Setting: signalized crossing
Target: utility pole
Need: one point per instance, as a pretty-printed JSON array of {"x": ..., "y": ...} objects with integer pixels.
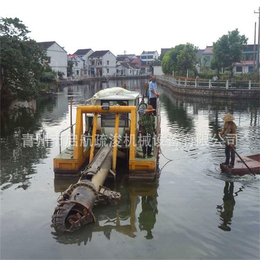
[
  {"x": 254, "y": 58},
  {"x": 258, "y": 46}
]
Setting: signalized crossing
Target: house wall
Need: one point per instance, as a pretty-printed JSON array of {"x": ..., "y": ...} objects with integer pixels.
[
  {"x": 157, "y": 70},
  {"x": 78, "y": 67},
  {"x": 109, "y": 63},
  {"x": 86, "y": 67},
  {"x": 58, "y": 59}
]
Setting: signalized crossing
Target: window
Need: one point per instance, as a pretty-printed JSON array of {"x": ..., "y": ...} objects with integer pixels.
[
  {"x": 108, "y": 120},
  {"x": 250, "y": 69},
  {"x": 238, "y": 69},
  {"x": 107, "y": 70},
  {"x": 107, "y": 62}
]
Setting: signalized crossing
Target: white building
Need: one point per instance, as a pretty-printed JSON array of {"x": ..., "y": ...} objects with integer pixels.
[
  {"x": 147, "y": 58},
  {"x": 84, "y": 54},
  {"x": 126, "y": 69},
  {"x": 157, "y": 70},
  {"x": 57, "y": 57},
  {"x": 78, "y": 66},
  {"x": 102, "y": 64}
]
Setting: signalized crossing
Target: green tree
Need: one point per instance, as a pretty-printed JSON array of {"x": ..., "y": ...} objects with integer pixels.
[
  {"x": 179, "y": 59},
  {"x": 228, "y": 50},
  {"x": 166, "y": 64},
  {"x": 22, "y": 60},
  {"x": 187, "y": 59},
  {"x": 170, "y": 61},
  {"x": 69, "y": 68}
]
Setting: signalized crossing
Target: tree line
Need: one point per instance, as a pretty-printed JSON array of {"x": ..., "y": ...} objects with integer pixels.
[
  {"x": 24, "y": 70},
  {"x": 227, "y": 50}
]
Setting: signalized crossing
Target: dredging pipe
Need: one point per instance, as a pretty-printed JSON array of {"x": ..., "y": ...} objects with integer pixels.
[{"x": 75, "y": 205}]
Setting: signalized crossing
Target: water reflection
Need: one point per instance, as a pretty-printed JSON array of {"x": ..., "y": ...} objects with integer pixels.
[
  {"x": 177, "y": 113},
  {"x": 147, "y": 217},
  {"x": 135, "y": 212},
  {"x": 17, "y": 159},
  {"x": 227, "y": 208}
]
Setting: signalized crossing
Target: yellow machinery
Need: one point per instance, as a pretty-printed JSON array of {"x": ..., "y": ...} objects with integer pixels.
[{"x": 81, "y": 156}]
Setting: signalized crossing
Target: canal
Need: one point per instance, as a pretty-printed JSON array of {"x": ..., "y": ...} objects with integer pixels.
[{"x": 192, "y": 211}]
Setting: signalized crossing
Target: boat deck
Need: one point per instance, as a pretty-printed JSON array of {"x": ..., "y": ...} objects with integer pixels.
[{"x": 252, "y": 161}]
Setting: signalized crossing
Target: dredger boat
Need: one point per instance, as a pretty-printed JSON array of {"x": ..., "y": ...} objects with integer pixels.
[{"x": 105, "y": 130}]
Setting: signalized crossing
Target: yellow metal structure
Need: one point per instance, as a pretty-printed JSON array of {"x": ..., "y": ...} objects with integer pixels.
[
  {"x": 79, "y": 155},
  {"x": 137, "y": 165}
]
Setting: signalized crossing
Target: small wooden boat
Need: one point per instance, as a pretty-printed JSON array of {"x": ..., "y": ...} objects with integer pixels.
[{"x": 252, "y": 161}]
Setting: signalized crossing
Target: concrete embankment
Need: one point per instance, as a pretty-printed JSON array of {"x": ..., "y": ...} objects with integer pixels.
[
  {"x": 86, "y": 80},
  {"x": 241, "y": 93}
]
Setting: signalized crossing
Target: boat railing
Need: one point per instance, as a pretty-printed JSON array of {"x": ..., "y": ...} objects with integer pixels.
[{"x": 69, "y": 127}]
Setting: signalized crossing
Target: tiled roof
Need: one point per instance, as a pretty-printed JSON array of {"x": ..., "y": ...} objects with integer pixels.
[
  {"x": 135, "y": 60},
  {"x": 208, "y": 50},
  {"x": 246, "y": 62},
  {"x": 200, "y": 52},
  {"x": 82, "y": 51},
  {"x": 126, "y": 55},
  {"x": 122, "y": 58},
  {"x": 164, "y": 50},
  {"x": 98, "y": 54},
  {"x": 46, "y": 45},
  {"x": 148, "y": 52}
]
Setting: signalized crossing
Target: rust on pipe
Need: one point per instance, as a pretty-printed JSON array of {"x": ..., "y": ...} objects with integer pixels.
[{"x": 75, "y": 205}]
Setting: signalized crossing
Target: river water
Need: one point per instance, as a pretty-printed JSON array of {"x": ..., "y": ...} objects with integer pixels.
[{"x": 192, "y": 211}]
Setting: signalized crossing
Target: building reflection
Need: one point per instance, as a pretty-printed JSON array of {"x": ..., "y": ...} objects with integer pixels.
[{"x": 135, "y": 212}]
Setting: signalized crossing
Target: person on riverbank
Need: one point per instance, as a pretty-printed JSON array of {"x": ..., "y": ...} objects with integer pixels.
[
  {"x": 153, "y": 95},
  {"x": 147, "y": 128},
  {"x": 229, "y": 133}
]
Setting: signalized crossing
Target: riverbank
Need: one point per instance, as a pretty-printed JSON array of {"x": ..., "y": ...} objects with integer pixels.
[
  {"x": 210, "y": 89},
  {"x": 87, "y": 80}
]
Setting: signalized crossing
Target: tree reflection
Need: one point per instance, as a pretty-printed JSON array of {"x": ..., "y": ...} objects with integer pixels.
[
  {"x": 17, "y": 160},
  {"x": 176, "y": 112}
]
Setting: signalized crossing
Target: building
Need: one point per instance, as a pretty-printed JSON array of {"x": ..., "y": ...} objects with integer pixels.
[
  {"x": 157, "y": 70},
  {"x": 84, "y": 54},
  {"x": 147, "y": 58},
  {"x": 57, "y": 57},
  {"x": 127, "y": 69},
  {"x": 249, "y": 61},
  {"x": 128, "y": 65},
  {"x": 206, "y": 58},
  {"x": 163, "y": 51},
  {"x": 78, "y": 66},
  {"x": 102, "y": 64}
]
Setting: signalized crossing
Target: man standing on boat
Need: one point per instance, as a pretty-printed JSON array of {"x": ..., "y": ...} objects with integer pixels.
[
  {"x": 229, "y": 133},
  {"x": 153, "y": 95},
  {"x": 147, "y": 127}
]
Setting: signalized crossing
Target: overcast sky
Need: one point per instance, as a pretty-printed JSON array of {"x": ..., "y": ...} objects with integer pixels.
[{"x": 133, "y": 26}]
